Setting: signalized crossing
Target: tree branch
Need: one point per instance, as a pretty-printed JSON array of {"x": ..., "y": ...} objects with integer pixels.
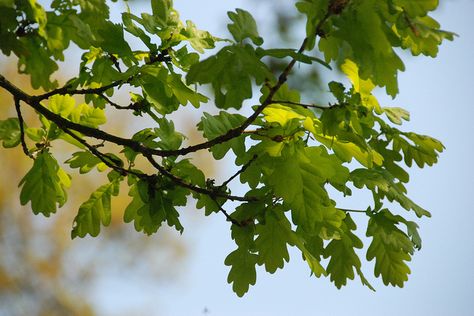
[
  {"x": 34, "y": 102},
  {"x": 213, "y": 194},
  {"x": 244, "y": 167},
  {"x": 237, "y": 131},
  {"x": 115, "y": 105},
  {"x": 229, "y": 218},
  {"x": 67, "y": 90},
  {"x": 104, "y": 158},
  {"x": 22, "y": 129}
]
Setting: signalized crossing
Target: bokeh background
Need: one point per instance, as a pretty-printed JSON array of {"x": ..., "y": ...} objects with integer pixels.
[{"x": 43, "y": 272}]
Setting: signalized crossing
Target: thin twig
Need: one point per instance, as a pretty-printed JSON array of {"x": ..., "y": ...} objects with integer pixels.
[
  {"x": 103, "y": 157},
  {"x": 22, "y": 129},
  {"x": 237, "y": 131},
  {"x": 34, "y": 101},
  {"x": 184, "y": 184},
  {"x": 229, "y": 218},
  {"x": 115, "y": 105},
  {"x": 67, "y": 90},
  {"x": 321, "y": 107},
  {"x": 351, "y": 211},
  {"x": 244, "y": 167}
]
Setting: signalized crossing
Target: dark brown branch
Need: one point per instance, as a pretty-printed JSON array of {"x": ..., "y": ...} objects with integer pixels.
[
  {"x": 213, "y": 194},
  {"x": 34, "y": 102},
  {"x": 115, "y": 105},
  {"x": 103, "y": 157},
  {"x": 22, "y": 129},
  {"x": 237, "y": 131},
  {"x": 67, "y": 90},
  {"x": 64, "y": 123},
  {"x": 229, "y": 218}
]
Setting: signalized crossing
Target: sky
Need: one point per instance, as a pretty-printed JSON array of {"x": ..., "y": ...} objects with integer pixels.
[{"x": 437, "y": 92}]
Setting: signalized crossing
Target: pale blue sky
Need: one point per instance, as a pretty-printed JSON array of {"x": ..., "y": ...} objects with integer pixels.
[{"x": 438, "y": 93}]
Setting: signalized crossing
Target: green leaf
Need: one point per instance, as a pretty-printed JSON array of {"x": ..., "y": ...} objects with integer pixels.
[
  {"x": 343, "y": 258},
  {"x": 243, "y": 26},
  {"x": 311, "y": 249},
  {"x": 289, "y": 52},
  {"x": 242, "y": 261},
  {"x": 44, "y": 185},
  {"x": 94, "y": 8},
  {"x": 35, "y": 134},
  {"x": 169, "y": 138},
  {"x": 150, "y": 207},
  {"x": 412, "y": 230},
  {"x": 85, "y": 161},
  {"x": 88, "y": 115},
  {"x": 84, "y": 114},
  {"x": 10, "y": 132},
  {"x": 424, "y": 151},
  {"x": 396, "y": 115},
  {"x": 183, "y": 93},
  {"x": 162, "y": 9},
  {"x": 230, "y": 72},
  {"x": 166, "y": 91},
  {"x": 272, "y": 241},
  {"x": 367, "y": 33},
  {"x": 95, "y": 211},
  {"x": 299, "y": 178},
  {"x": 315, "y": 11},
  {"x": 391, "y": 248},
  {"x": 62, "y": 104},
  {"x": 112, "y": 40},
  {"x": 37, "y": 63},
  {"x": 185, "y": 170},
  {"x": 7, "y": 3},
  {"x": 199, "y": 40},
  {"x": 129, "y": 26},
  {"x": 383, "y": 184},
  {"x": 210, "y": 205},
  {"x": 416, "y": 8},
  {"x": 422, "y": 35},
  {"x": 217, "y": 125}
]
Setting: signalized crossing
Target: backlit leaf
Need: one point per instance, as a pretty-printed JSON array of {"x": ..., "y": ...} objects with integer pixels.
[
  {"x": 44, "y": 185},
  {"x": 96, "y": 211}
]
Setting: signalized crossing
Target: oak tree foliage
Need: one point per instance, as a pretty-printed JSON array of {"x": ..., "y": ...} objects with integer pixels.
[{"x": 292, "y": 156}]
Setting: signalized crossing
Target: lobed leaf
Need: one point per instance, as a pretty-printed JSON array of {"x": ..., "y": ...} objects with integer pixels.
[
  {"x": 391, "y": 248},
  {"x": 272, "y": 241},
  {"x": 230, "y": 72},
  {"x": 150, "y": 207},
  {"x": 10, "y": 132},
  {"x": 45, "y": 185},
  {"x": 242, "y": 261},
  {"x": 343, "y": 258},
  {"x": 95, "y": 211},
  {"x": 217, "y": 125},
  {"x": 243, "y": 26}
]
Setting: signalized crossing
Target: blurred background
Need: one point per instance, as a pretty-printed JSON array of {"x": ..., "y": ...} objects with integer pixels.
[{"x": 121, "y": 272}]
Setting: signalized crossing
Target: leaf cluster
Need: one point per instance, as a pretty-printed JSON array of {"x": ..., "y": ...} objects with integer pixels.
[{"x": 289, "y": 154}]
